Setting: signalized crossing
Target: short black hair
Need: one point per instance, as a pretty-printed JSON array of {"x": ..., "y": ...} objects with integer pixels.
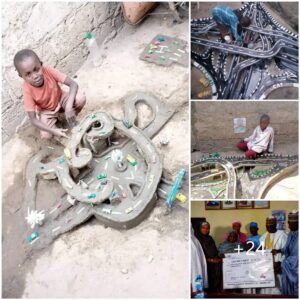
[
  {"x": 245, "y": 21},
  {"x": 265, "y": 116},
  {"x": 22, "y": 55}
]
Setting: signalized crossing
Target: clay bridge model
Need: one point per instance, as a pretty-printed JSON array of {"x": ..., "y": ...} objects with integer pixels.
[
  {"x": 252, "y": 70},
  {"x": 239, "y": 177},
  {"x": 110, "y": 169}
]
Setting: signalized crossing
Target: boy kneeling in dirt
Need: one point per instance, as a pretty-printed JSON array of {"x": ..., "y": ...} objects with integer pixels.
[
  {"x": 43, "y": 97},
  {"x": 261, "y": 140}
]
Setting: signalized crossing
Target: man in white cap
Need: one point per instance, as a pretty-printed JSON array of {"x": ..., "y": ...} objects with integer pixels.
[{"x": 274, "y": 239}]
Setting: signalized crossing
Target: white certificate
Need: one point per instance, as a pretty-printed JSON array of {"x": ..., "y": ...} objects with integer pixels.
[{"x": 248, "y": 271}]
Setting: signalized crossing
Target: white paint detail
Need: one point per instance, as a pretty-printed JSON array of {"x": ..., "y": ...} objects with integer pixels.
[
  {"x": 80, "y": 210},
  {"x": 137, "y": 204},
  {"x": 55, "y": 229}
]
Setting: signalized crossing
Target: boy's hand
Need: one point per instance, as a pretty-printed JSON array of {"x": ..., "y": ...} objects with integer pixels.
[
  {"x": 70, "y": 116},
  {"x": 60, "y": 132}
]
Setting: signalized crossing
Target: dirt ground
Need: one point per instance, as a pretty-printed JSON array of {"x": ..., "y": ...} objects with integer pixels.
[{"x": 150, "y": 260}]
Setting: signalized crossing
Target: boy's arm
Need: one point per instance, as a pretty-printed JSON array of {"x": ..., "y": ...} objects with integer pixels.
[
  {"x": 37, "y": 123},
  {"x": 248, "y": 139},
  {"x": 69, "y": 111}
]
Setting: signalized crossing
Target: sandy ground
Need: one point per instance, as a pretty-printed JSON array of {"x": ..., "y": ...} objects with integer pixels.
[{"x": 150, "y": 260}]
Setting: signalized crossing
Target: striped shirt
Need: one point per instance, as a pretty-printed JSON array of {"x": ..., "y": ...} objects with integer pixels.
[{"x": 225, "y": 15}]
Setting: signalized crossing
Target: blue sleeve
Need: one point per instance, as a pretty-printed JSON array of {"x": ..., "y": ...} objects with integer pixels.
[{"x": 233, "y": 27}]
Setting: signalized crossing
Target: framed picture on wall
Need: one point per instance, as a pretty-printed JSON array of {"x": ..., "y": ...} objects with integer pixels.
[
  {"x": 228, "y": 204},
  {"x": 212, "y": 205},
  {"x": 261, "y": 204},
  {"x": 244, "y": 204}
]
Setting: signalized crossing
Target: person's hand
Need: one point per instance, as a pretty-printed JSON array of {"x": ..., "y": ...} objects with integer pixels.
[
  {"x": 275, "y": 251},
  {"x": 277, "y": 267},
  {"x": 60, "y": 132},
  {"x": 214, "y": 260},
  {"x": 70, "y": 116}
]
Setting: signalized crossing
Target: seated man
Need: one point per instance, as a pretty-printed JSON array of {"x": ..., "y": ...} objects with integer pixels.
[
  {"x": 227, "y": 18},
  {"x": 261, "y": 140}
]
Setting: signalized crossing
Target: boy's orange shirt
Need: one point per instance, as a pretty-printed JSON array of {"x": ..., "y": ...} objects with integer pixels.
[{"x": 47, "y": 96}]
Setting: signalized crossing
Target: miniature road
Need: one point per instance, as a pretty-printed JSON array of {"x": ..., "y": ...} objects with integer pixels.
[
  {"x": 123, "y": 197},
  {"x": 268, "y": 41},
  {"x": 228, "y": 167},
  {"x": 278, "y": 167}
]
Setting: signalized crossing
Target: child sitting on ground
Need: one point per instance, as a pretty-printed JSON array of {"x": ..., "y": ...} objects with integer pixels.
[
  {"x": 260, "y": 141},
  {"x": 43, "y": 97}
]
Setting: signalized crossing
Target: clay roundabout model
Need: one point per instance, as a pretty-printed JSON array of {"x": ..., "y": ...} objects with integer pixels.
[
  {"x": 110, "y": 169},
  {"x": 253, "y": 70},
  {"x": 238, "y": 177}
]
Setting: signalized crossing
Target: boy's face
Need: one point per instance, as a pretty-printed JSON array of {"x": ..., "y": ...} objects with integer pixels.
[
  {"x": 253, "y": 230},
  {"x": 30, "y": 69},
  {"x": 264, "y": 123}
]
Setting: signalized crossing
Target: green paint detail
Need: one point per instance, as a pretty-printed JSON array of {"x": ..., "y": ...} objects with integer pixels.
[
  {"x": 260, "y": 172},
  {"x": 61, "y": 160},
  {"x": 127, "y": 124},
  {"x": 91, "y": 196},
  {"x": 215, "y": 154},
  {"x": 32, "y": 236},
  {"x": 161, "y": 38},
  {"x": 101, "y": 176}
]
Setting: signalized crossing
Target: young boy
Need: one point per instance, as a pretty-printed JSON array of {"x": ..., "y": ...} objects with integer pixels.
[
  {"x": 43, "y": 97},
  {"x": 254, "y": 237},
  {"x": 260, "y": 141},
  {"x": 231, "y": 20}
]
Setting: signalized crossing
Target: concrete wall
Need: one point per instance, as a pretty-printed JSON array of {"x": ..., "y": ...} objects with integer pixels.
[
  {"x": 56, "y": 31},
  {"x": 220, "y": 220},
  {"x": 212, "y": 122}
]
